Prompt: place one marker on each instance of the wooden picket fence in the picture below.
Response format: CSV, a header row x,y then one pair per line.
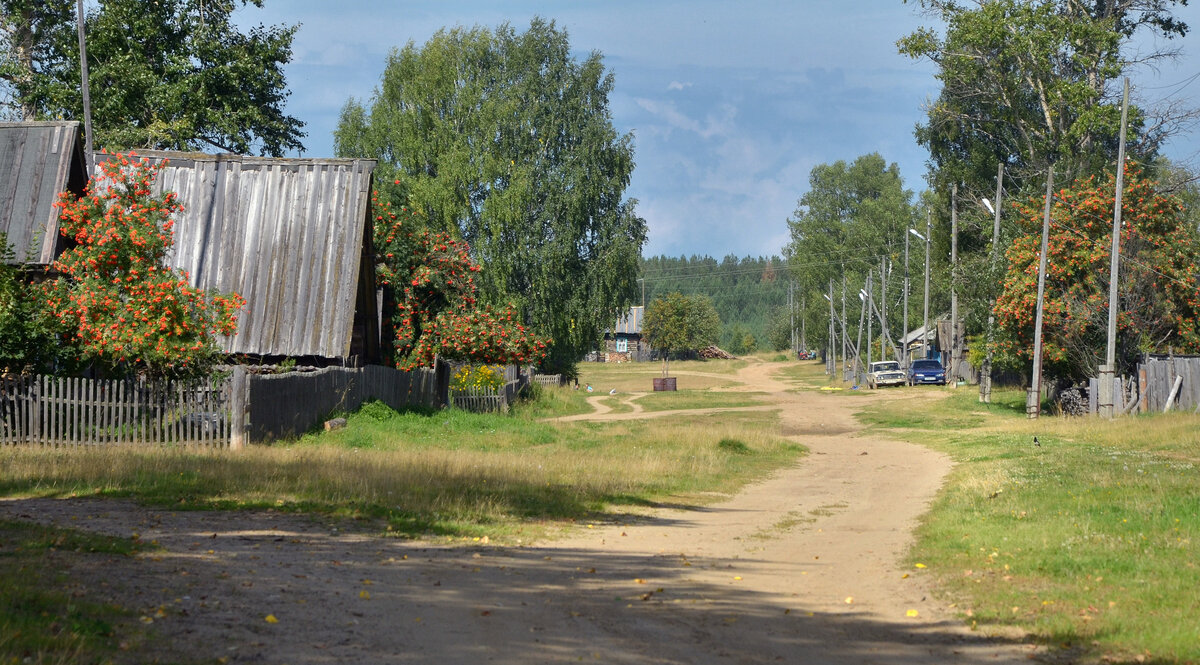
x,y
484,400
71,411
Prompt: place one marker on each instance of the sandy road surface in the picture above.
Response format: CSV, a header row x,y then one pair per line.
x,y
802,568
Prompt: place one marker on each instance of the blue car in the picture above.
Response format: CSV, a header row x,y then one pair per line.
x,y
926,371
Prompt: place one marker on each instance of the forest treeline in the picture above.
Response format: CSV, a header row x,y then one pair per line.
x,y
750,295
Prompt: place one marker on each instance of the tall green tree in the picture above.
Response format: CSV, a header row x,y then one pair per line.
x,y
170,74
1158,296
853,215
506,139
1033,82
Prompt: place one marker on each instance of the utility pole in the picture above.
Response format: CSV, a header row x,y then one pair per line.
x,y
928,239
883,327
804,321
792,311
870,309
1033,401
87,94
1108,369
952,375
858,345
845,375
832,333
985,379
904,333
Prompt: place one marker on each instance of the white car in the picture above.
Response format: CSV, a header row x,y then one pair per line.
x,y
886,373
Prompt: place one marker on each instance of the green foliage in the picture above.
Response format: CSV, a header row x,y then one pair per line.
x,y
675,323
26,335
117,302
1158,296
172,74
1027,83
748,293
853,216
506,140
430,282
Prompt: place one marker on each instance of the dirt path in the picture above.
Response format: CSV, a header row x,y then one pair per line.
x,y
802,568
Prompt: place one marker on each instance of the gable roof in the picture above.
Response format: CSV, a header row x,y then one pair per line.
x,y
38,160
631,322
286,234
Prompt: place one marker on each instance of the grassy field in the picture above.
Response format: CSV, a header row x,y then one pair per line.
x,y
1088,540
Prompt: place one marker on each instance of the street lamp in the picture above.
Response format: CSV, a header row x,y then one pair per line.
x,y
926,237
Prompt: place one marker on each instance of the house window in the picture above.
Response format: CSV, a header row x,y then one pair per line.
x,y
622,345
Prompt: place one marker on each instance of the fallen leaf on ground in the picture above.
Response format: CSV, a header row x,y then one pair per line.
x,y
270,618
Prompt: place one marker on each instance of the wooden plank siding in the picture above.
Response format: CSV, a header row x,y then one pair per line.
x,y
38,161
285,406
286,234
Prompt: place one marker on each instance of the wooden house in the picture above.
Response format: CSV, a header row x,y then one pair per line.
x,y
292,236
624,342
38,161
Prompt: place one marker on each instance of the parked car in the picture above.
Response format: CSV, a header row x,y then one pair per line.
x,y
885,373
926,371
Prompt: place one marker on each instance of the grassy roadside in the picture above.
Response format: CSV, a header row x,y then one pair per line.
x,y
45,617
1088,541
447,474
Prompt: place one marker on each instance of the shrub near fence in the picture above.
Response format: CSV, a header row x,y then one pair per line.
x,y
68,411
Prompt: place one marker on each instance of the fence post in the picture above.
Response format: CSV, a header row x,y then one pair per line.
x,y
441,383
239,404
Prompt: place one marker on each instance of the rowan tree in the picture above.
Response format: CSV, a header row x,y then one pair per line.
x,y
431,284
116,300
1158,292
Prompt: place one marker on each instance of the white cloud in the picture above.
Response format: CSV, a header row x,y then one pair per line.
x,y
676,85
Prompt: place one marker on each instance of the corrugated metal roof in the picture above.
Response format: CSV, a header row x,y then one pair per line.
x,y
631,323
38,160
286,234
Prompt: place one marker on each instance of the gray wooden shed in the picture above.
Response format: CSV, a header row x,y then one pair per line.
x,y
292,236
38,161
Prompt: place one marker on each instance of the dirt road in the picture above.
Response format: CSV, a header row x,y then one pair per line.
x,y
805,567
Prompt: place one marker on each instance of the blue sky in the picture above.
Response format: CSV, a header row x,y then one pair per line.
x,y
731,104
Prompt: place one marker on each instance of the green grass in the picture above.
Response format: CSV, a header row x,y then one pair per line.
x,y
44,616
1089,541
449,473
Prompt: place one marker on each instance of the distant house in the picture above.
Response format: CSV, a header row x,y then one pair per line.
x,y
292,236
624,342
38,161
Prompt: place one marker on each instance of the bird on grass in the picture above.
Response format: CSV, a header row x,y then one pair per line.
x,y
1036,442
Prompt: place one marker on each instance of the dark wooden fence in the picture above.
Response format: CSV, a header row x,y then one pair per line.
x,y
71,411
283,406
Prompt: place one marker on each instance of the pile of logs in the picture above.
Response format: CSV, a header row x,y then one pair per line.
x,y
714,353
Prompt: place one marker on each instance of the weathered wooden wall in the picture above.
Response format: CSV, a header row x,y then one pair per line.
x,y
286,234
38,160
